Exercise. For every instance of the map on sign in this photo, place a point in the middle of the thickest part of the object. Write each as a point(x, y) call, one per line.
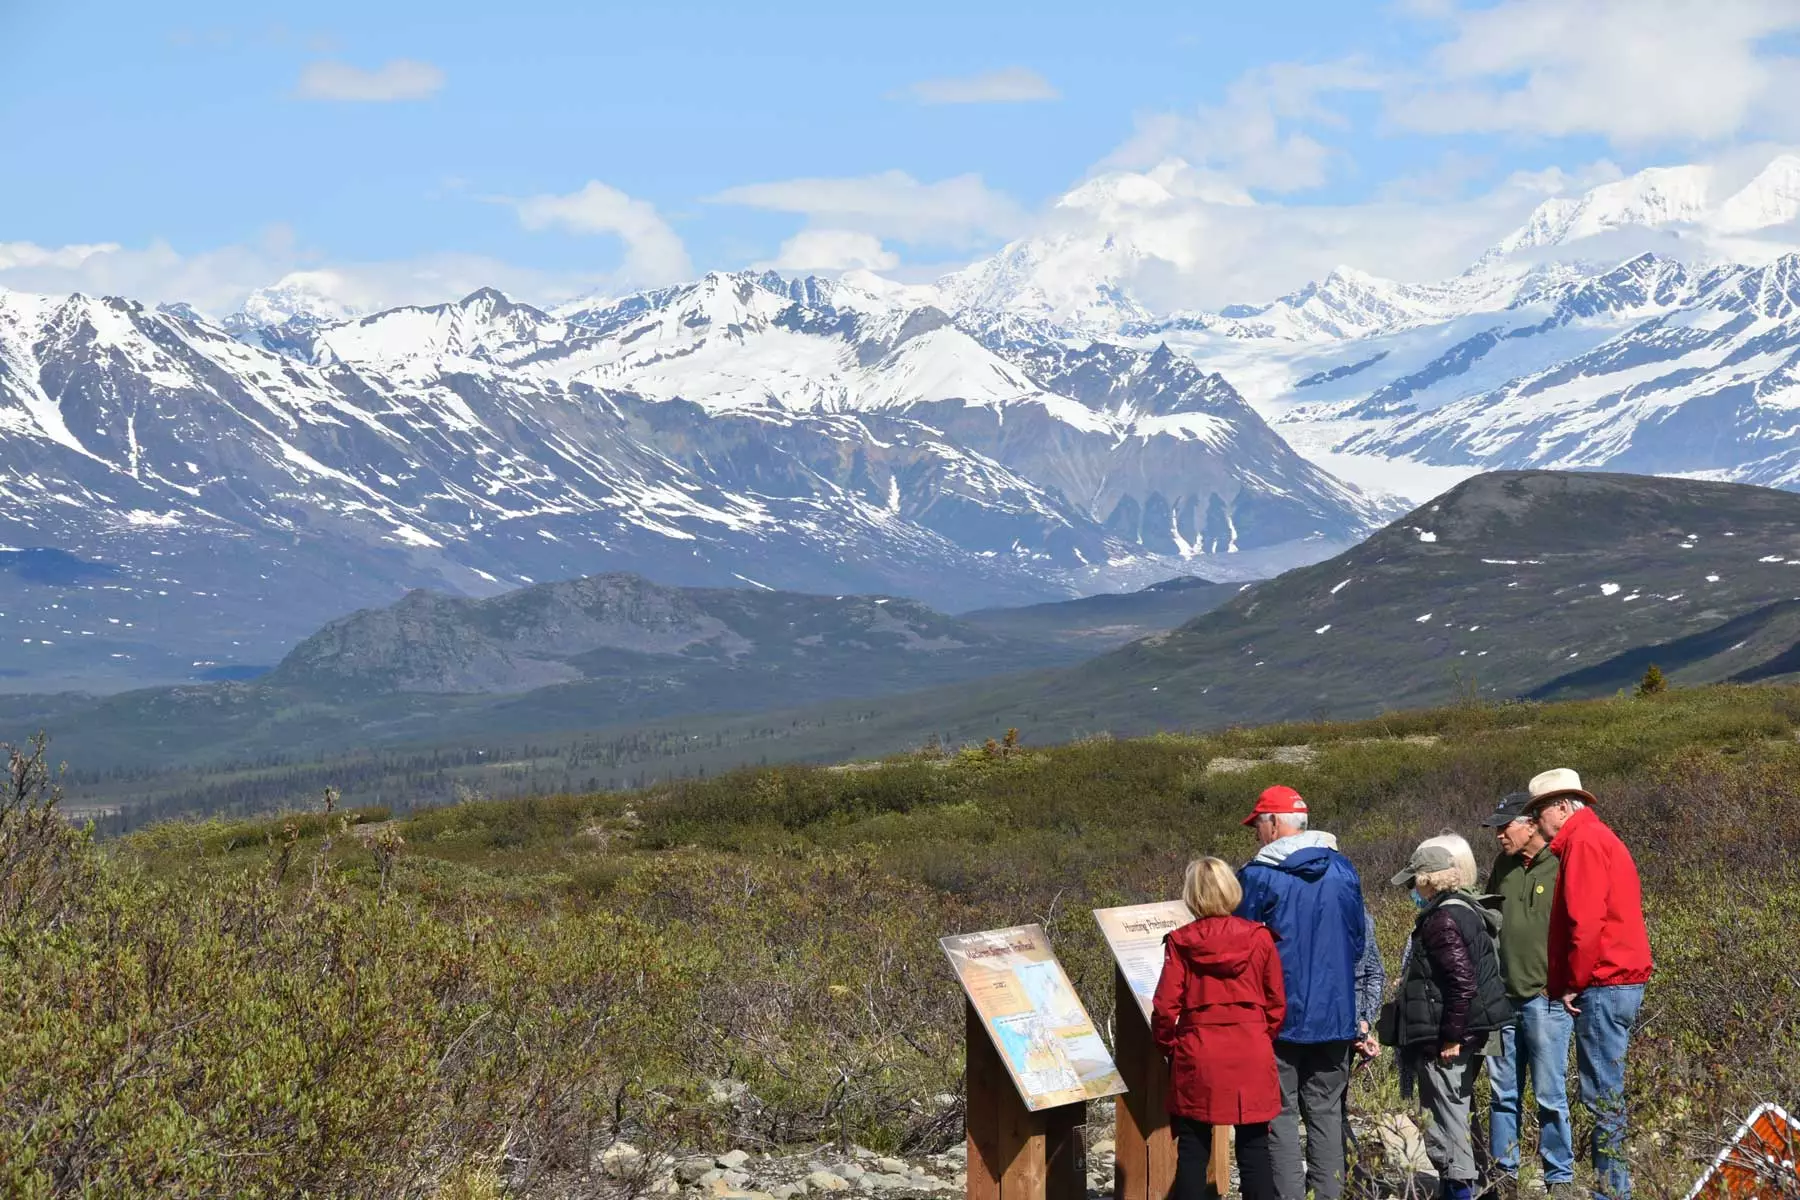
point(1038, 1024)
point(1135, 934)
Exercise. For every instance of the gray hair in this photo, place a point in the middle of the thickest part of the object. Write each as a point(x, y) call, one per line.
point(1295, 820)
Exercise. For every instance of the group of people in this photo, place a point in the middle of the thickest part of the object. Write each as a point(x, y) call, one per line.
point(1273, 993)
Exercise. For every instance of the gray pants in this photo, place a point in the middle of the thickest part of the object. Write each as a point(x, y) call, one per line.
point(1314, 1078)
point(1447, 1090)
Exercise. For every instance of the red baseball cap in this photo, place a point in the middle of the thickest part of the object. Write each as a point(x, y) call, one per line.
point(1278, 800)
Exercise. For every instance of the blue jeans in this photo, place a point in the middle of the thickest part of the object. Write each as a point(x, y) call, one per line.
point(1535, 1045)
point(1602, 1034)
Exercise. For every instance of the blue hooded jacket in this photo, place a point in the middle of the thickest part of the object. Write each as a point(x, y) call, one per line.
point(1309, 895)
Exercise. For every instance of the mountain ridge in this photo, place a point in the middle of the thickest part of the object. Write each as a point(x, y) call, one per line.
point(484, 443)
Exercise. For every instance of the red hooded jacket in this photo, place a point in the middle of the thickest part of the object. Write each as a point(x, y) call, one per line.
point(1597, 934)
point(1218, 1006)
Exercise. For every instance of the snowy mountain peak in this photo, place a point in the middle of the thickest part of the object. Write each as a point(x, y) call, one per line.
point(1652, 198)
point(1120, 189)
point(310, 295)
point(484, 326)
point(488, 301)
point(1674, 202)
point(1772, 198)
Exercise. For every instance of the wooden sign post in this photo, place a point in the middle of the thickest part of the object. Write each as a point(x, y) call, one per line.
point(1144, 1146)
point(1014, 1153)
point(1034, 1060)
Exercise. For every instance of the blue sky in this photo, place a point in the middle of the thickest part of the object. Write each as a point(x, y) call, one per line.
point(565, 145)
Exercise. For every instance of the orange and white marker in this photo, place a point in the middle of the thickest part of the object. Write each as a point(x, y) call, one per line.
point(1758, 1163)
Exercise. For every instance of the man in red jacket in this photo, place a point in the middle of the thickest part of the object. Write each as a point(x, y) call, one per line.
point(1599, 957)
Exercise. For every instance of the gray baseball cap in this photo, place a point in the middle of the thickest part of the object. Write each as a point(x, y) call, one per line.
point(1424, 861)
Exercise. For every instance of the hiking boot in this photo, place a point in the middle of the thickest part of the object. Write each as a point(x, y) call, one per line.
point(1565, 1191)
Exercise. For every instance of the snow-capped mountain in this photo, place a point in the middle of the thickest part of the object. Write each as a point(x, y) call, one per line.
point(1023, 428)
point(234, 492)
point(1564, 345)
point(1074, 273)
point(1701, 378)
point(281, 316)
point(1692, 205)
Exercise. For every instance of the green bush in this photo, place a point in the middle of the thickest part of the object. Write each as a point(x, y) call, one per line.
point(242, 1008)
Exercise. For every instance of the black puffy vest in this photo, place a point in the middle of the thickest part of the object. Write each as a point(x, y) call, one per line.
point(1421, 995)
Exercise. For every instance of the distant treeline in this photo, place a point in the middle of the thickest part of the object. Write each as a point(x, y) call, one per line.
point(124, 799)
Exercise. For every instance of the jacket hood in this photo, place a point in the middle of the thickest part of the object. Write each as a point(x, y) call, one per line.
point(1217, 946)
point(1487, 906)
point(1305, 854)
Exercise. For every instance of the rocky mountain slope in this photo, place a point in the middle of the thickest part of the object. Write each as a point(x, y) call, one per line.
point(790, 434)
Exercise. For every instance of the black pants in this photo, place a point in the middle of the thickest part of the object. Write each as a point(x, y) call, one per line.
point(1193, 1151)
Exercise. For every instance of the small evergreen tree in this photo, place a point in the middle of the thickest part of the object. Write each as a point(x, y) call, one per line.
point(1653, 683)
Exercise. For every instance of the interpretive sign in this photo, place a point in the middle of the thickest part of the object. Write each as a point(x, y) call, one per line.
point(1135, 933)
point(1037, 1023)
point(1759, 1161)
point(1144, 1147)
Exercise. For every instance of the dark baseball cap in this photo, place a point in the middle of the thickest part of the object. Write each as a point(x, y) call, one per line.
point(1512, 806)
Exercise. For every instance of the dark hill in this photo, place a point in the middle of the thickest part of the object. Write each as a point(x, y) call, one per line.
point(1500, 587)
point(627, 630)
point(593, 653)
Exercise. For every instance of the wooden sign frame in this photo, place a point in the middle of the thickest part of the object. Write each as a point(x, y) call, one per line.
point(1013, 1152)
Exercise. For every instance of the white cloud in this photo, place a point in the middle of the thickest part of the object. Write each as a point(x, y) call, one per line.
point(960, 212)
point(219, 280)
point(653, 251)
point(1009, 85)
point(1174, 238)
point(396, 79)
point(14, 255)
point(822, 250)
point(1637, 72)
point(1256, 137)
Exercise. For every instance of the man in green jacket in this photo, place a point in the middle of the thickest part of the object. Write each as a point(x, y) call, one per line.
point(1524, 877)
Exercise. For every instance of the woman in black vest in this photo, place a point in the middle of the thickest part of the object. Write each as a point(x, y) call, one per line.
point(1452, 999)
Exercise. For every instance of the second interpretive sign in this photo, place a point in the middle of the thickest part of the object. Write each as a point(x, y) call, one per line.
point(1135, 933)
point(1040, 1027)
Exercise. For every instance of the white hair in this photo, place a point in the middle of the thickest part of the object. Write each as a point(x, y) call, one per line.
point(1295, 821)
point(1461, 852)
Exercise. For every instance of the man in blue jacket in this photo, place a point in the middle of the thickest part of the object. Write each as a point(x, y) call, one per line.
point(1309, 895)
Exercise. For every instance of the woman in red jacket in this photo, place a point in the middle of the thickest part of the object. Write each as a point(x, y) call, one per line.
point(1218, 1006)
